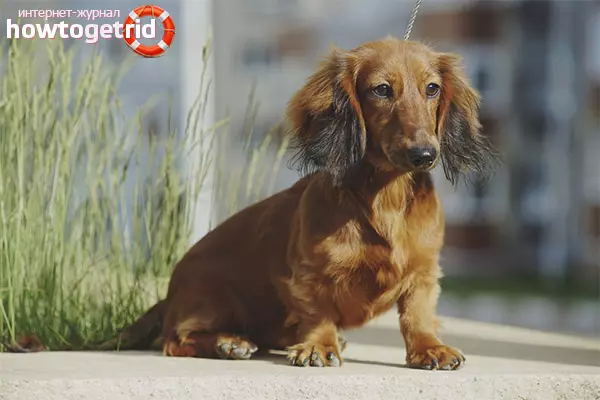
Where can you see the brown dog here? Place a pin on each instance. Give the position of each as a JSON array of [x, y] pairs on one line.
[[360, 233]]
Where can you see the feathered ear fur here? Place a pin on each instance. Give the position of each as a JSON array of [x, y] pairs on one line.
[[327, 125], [464, 150]]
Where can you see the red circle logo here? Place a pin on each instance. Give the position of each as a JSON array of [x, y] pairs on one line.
[[157, 49]]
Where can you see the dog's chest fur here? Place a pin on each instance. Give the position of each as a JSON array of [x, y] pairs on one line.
[[386, 254]]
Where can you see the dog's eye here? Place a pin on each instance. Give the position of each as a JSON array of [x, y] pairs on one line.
[[432, 90], [383, 90]]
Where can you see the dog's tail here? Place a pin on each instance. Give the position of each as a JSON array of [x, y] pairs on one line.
[[143, 334]]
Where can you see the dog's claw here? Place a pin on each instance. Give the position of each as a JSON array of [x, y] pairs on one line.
[[241, 353], [225, 348], [458, 362], [301, 362], [317, 363], [333, 360], [315, 360], [297, 360]]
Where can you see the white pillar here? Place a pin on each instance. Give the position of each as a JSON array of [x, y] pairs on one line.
[[193, 35]]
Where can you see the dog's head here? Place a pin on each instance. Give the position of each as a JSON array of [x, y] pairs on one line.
[[394, 104]]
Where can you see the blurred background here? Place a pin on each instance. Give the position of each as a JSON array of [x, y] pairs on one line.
[[524, 249]]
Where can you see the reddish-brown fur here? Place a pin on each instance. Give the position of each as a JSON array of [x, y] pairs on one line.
[[361, 233]]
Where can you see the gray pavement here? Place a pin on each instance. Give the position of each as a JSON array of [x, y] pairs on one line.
[[502, 363]]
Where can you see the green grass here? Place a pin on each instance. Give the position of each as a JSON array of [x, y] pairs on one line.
[[69, 272]]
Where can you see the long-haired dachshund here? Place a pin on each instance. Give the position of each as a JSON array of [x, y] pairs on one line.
[[360, 233]]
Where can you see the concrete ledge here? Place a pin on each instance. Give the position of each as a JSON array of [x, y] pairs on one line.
[[522, 365]]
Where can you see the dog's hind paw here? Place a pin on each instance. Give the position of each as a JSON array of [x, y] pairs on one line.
[[235, 348]]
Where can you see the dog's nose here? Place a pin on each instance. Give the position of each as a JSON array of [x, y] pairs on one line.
[[421, 157]]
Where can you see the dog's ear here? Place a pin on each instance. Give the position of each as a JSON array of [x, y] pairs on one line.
[[464, 150], [326, 122]]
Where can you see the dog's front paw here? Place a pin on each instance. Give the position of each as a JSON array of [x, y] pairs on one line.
[[314, 355], [440, 357]]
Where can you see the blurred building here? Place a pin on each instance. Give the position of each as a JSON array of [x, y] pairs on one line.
[[537, 65]]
